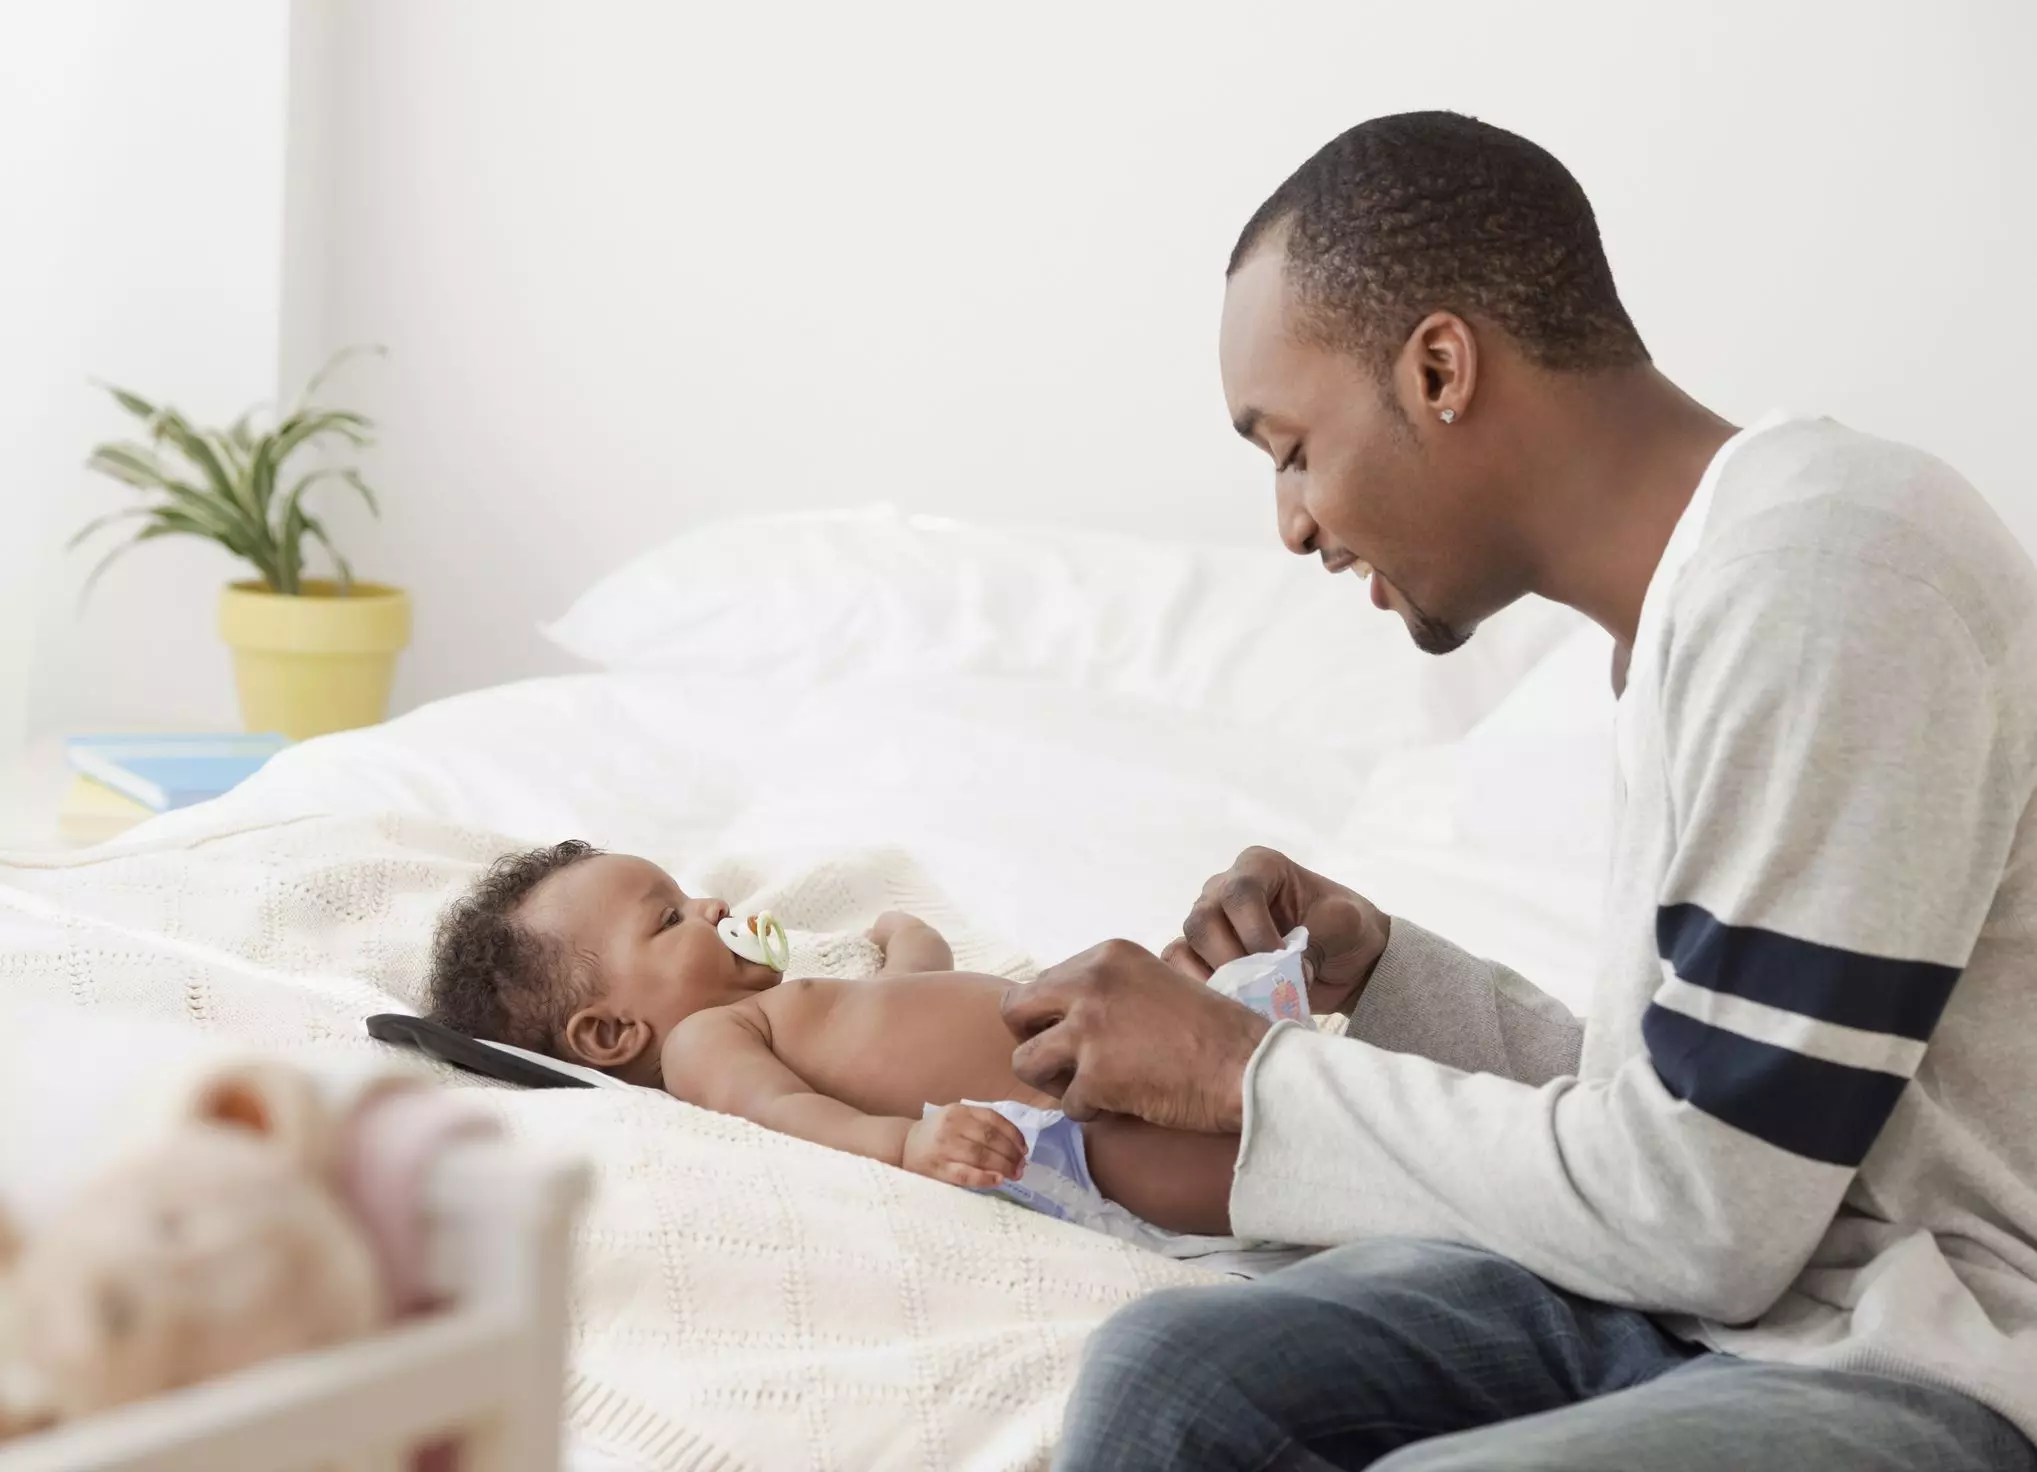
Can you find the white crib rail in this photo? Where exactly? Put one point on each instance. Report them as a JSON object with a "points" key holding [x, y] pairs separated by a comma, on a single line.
{"points": [[486, 1371]]}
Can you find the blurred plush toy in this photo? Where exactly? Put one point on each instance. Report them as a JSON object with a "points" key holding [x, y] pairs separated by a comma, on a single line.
{"points": [[264, 1221]]}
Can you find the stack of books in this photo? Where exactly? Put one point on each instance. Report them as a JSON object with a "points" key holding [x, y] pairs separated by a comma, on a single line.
{"points": [[120, 780]]}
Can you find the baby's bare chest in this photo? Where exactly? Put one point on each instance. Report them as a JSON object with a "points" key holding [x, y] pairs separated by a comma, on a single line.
{"points": [[891, 1045]]}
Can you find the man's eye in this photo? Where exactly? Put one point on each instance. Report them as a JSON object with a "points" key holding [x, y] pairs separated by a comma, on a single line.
{"points": [[1294, 461]]}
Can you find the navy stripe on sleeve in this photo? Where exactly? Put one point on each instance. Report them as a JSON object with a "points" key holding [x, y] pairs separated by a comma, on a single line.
{"points": [[1874, 993], [1807, 1106]]}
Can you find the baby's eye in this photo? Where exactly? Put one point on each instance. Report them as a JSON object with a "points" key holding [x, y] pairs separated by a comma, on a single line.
{"points": [[668, 920]]}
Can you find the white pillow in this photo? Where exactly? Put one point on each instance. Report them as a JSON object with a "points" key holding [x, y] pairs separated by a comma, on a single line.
{"points": [[1500, 841], [1251, 635], [1531, 782]]}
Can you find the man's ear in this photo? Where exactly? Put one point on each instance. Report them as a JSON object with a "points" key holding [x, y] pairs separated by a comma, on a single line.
{"points": [[599, 1038], [1438, 370]]}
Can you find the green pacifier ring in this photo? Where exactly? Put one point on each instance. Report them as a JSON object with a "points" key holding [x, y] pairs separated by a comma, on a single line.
{"points": [[762, 941]]}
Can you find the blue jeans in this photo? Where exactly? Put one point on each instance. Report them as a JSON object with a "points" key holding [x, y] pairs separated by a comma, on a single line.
{"points": [[1422, 1357]]}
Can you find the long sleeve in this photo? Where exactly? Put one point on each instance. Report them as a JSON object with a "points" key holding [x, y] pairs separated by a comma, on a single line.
{"points": [[1835, 811], [1430, 998]]}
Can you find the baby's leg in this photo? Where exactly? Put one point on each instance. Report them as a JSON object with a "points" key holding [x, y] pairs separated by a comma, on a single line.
{"points": [[1176, 1180]]}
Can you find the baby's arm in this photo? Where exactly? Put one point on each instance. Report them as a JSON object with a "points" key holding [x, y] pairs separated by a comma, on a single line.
{"points": [[721, 1059], [910, 945]]}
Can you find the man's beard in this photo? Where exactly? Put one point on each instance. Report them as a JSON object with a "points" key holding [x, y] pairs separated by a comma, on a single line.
{"points": [[1432, 635]]}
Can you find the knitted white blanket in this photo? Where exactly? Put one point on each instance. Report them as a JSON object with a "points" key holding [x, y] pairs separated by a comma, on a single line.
{"points": [[744, 1299]]}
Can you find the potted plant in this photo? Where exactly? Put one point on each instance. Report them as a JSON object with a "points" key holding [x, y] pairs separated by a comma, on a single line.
{"points": [[310, 654]]}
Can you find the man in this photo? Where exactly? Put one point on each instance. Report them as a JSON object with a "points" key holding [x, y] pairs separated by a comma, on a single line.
{"points": [[1775, 1204]]}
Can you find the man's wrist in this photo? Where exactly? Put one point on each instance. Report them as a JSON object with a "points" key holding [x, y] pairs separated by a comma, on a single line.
{"points": [[1231, 1107], [1231, 1100], [1350, 1003]]}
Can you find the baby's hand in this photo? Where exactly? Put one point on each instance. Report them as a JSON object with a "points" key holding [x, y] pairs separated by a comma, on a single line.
{"points": [[910, 944], [965, 1145], [889, 924]]}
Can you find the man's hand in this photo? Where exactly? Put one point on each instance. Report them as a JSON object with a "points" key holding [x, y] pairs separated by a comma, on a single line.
{"points": [[1248, 908], [1119, 1031], [965, 1145]]}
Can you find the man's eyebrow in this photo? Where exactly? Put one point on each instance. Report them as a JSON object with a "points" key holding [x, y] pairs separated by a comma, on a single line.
{"points": [[1247, 424]]}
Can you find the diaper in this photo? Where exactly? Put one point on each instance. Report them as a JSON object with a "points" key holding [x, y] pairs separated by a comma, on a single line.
{"points": [[1056, 1183], [1056, 1180]]}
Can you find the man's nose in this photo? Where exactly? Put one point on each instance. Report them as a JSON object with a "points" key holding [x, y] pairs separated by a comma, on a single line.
{"points": [[1297, 528], [713, 911]]}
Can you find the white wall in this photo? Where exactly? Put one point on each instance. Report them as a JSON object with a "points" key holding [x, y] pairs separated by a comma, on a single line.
{"points": [[141, 153], [638, 265]]}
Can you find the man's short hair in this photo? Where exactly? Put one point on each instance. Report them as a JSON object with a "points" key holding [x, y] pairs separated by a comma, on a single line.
{"points": [[1434, 211]]}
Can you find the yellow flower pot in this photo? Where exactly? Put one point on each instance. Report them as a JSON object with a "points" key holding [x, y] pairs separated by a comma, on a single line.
{"points": [[314, 662]]}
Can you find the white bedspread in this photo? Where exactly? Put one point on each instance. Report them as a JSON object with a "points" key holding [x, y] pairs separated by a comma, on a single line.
{"points": [[746, 1299], [742, 1295]]}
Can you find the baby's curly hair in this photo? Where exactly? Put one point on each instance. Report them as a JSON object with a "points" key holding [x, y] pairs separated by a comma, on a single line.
{"points": [[494, 977]]}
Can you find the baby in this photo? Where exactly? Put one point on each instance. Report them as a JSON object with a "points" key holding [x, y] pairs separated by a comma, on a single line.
{"points": [[601, 959]]}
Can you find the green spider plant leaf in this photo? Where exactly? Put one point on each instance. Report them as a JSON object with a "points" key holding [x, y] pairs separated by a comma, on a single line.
{"points": [[289, 437], [172, 426], [296, 520], [242, 430], [292, 540], [231, 455], [130, 464], [222, 484], [353, 478], [84, 534], [146, 534], [300, 429], [342, 573], [332, 365], [346, 473], [262, 474], [135, 404], [223, 521]]}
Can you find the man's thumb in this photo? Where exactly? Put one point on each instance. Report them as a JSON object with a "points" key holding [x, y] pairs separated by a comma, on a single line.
{"points": [[1341, 941]]}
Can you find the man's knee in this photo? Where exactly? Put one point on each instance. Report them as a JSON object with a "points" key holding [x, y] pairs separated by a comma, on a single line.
{"points": [[1342, 1309], [1161, 1335], [1392, 1272], [1155, 1380], [1201, 1332], [1359, 1349]]}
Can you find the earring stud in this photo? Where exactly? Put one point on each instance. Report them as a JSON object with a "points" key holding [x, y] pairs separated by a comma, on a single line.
{"points": [[1449, 416]]}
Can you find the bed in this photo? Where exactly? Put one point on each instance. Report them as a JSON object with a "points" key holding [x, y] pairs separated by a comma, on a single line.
{"points": [[1039, 739]]}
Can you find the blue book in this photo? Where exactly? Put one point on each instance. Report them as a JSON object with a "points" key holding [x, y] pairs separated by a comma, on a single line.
{"points": [[165, 772]]}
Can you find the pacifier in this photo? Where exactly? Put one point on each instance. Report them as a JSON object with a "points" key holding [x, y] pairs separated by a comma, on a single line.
{"points": [[760, 939]]}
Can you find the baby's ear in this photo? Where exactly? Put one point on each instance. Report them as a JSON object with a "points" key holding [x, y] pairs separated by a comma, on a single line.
{"points": [[273, 1100], [597, 1038]]}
